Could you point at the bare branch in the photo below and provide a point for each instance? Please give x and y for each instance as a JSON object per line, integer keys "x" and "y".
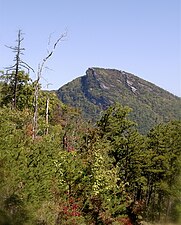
{"x": 28, "y": 66}
{"x": 19, "y": 64}
{"x": 39, "y": 76}
{"x": 45, "y": 59}
{"x": 60, "y": 39}
{"x": 14, "y": 48}
{"x": 10, "y": 67}
{"x": 49, "y": 38}
{"x": 46, "y": 67}
{"x": 9, "y": 47}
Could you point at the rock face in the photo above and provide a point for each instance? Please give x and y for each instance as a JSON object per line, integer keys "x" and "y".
{"x": 100, "y": 88}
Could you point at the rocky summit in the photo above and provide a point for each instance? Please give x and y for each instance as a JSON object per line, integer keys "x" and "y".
{"x": 99, "y": 88}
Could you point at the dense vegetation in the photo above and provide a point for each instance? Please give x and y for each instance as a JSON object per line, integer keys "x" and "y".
{"x": 58, "y": 169}
{"x": 79, "y": 174}
{"x": 100, "y": 88}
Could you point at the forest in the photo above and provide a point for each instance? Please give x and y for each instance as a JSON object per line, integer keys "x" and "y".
{"x": 58, "y": 169}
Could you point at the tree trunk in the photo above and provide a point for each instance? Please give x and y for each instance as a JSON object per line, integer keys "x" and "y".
{"x": 46, "y": 115}
{"x": 17, "y": 69}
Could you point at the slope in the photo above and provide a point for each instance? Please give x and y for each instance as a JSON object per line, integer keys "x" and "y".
{"x": 100, "y": 88}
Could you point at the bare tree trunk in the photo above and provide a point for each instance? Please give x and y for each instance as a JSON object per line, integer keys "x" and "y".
{"x": 149, "y": 191}
{"x": 46, "y": 115}
{"x": 35, "y": 116}
{"x": 19, "y": 64}
{"x": 39, "y": 75}
{"x": 17, "y": 69}
{"x": 169, "y": 204}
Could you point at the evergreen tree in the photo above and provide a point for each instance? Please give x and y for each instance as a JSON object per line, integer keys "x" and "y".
{"x": 24, "y": 90}
{"x": 13, "y": 71}
{"x": 163, "y": 169}
{"x": 127, "y": 149}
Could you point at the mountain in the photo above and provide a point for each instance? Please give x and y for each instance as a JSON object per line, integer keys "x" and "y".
{"x": 100, "y": 88}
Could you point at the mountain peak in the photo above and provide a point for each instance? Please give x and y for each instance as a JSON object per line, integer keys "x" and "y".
{"x": 101, "y": 87}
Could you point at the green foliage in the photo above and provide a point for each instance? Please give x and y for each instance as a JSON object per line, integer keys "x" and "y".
{"x": 101, "y": 88}
{"x": 12, "y": 142}
{"x": 72, "y": 172}
{"x": 80, "y": 174}
{"x": 127, "y": 150}
{"x": 163, "y": 171}
{"x": 25, "y": 90}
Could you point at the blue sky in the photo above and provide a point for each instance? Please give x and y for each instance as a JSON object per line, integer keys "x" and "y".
{"x": 139, "y": 36}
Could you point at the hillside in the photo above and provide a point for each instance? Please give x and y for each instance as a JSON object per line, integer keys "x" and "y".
{"x": 100, "y": 88}
{"x": 58, "y": 169}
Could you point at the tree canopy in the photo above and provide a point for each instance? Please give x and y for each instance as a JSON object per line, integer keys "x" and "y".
{"x": 78, "y": 173}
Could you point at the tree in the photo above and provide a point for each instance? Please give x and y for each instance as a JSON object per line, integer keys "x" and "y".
{"x": 12, "y": 145}
{"x": 24, "y": 90}
{"x": 127, "y": 149}
{"x": 163, "y": 170}
{"x": 37, "y": 84}
{"x": 17, "y": 67}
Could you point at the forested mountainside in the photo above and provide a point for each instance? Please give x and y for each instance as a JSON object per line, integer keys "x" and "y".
{"x": 100, "y": 88}
{"x": 58, "y": 169}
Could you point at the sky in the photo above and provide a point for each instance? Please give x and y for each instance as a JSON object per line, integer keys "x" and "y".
{"x": 142, "y": 37}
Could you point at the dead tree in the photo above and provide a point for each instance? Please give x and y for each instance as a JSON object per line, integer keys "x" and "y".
{"x": 46, "y": 114}
{"x": 19, "y": 65}
{"x": 41, "y": 66}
